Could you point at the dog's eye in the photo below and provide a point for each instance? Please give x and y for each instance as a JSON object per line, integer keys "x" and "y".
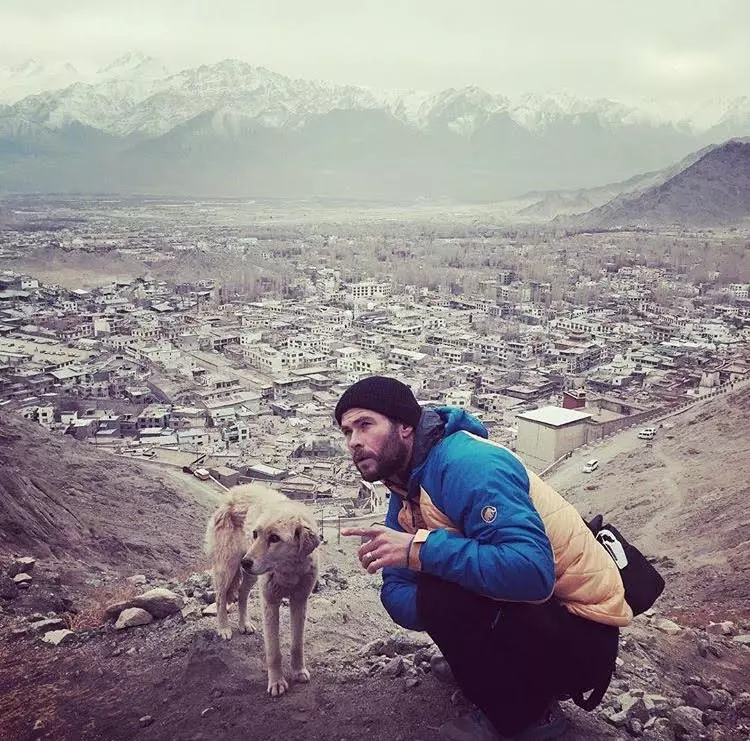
{"x": 255, "y": 534}
{"x": 273, "y": 538}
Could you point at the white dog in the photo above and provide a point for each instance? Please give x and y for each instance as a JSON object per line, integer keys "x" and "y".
{"x": 258, "y": 533}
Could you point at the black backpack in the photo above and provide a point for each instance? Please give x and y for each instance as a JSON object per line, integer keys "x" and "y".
{"x": 643, "y": 583}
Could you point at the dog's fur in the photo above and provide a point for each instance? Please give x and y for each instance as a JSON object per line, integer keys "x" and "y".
{"x": 258, "y": 533}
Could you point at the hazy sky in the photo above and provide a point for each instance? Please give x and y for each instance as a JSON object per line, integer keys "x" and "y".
{"x": 672, "y": 50}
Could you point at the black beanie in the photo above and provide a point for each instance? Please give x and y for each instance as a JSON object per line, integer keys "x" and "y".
{"x": 381, "y": 394}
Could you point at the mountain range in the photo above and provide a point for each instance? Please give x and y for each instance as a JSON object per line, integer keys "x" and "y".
{"x": 232, "y": 129}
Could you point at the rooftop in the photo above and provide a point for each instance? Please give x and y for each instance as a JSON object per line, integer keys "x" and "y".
{"x": 554, "y": 416}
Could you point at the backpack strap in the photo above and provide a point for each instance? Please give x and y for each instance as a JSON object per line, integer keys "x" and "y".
{"x": 594, "y": 698}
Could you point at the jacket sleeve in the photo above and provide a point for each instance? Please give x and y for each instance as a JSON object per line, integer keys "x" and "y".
{"x": 502, "y": 550}
{"x": 399, "y": 591}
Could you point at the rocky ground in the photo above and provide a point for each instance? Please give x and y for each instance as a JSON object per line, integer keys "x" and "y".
{"x": 682, "y": 672}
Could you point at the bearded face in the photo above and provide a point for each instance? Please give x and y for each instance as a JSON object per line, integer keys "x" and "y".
{"x": 378, "y": 445}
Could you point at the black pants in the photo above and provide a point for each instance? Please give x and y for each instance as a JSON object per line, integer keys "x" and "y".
{"x": 513, "y": 659}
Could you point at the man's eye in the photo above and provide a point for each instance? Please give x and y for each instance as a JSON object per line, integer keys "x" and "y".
{"x": 255, "y": 534}
{"x": 273, "y": 538}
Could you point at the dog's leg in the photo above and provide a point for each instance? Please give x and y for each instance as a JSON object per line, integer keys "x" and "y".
{"x": 246, "y": 584}
{"x": 277, "y": 685}
{"x": 225, "y": 576}
{"x": 298, "y": 612}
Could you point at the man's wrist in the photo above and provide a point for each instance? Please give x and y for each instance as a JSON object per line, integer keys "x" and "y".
{"x": 413, "y": 560}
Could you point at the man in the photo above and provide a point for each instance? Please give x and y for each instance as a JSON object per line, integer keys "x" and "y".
{"x": 496, "y": 566}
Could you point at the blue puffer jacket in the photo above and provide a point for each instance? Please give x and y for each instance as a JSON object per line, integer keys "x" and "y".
{"x": 474, "y": 497}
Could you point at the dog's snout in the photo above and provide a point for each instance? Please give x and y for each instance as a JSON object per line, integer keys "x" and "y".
{"x": 247, "y": 564}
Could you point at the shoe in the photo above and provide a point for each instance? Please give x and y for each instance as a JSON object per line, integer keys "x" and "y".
{"x": 551, "y": 725}
{"x": 476, "y": 726}
{"x": 441, "y": 669}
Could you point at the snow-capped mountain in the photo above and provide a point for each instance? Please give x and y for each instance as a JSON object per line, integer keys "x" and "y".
{"x": 233, "y": 127}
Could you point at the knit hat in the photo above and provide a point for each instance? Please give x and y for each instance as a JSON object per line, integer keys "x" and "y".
{"x": 381, "y": 394}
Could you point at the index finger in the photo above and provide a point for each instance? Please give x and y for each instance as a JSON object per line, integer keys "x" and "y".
{"x": 368, "y": 532}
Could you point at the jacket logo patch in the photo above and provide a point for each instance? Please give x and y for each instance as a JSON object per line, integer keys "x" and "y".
{"x": 489, "y": 514}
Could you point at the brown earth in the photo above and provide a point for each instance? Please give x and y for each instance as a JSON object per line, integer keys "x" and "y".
{"x": 92, "y": 518}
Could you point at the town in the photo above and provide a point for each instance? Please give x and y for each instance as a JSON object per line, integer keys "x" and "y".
{"x": 221, "y": 348}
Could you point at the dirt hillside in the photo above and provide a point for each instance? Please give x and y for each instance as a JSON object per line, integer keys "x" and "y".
{"x": 92, "y": 519}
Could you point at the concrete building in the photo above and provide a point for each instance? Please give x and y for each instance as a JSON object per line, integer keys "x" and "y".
{"x": 546, "y": 434}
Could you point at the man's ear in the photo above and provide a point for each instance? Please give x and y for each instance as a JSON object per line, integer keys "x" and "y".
{"x": 405, "y": 431}
{"x": 308, "y": 540}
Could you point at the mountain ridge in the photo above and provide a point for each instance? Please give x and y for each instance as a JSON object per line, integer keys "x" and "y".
{"x": 459, "y": 143}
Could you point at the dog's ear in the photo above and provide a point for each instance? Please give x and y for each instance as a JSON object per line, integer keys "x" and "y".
{"x": 308, "y": 540}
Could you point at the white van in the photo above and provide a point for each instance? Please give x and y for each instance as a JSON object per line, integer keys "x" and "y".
{"x": 647, "y": 433}
{"x": 590, "y": 466}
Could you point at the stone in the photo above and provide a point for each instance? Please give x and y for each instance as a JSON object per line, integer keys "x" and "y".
{"x": 743, "y": 640}
{"x": 667, "y": 626}
{"x": 137, "y": 580}
{"x": 21, "y": 565}
{"x": 22, "y": 579}
{"x": 720, "y": 698}
{"x": 411, "y": 682}
{"x": 210, "y": 610}
{"x": 192, "y": 611}
{"x": 697, "y": 697}
{"x": 8, "y": 588}
{"x": 47, "y": 624}
{"x": 657, "y": 704}
{"x": 133, "y": 616}
{"x": 159, "y": 602}
{"x": 58, "y": 637}
{"x": 616, "y": 718}
{"x": 686, "y": 721}
{"x": 145, "y": 720}
{"x": 394, "y": 668}
{"x": 634, "y": 726}
{"x": 725, "y": 628}
{"x": 742, "y": 705}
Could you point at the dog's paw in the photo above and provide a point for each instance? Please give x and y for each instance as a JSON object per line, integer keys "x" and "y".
{"x": 248, "y": 628}
{"x": 301, "y": 675}
{"x": 277, "y": 687}
{"x": 225, "y": 633}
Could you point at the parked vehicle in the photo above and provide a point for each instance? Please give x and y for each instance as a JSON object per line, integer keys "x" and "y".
{"x": 590, "y": 466}
{"x": 202, "y": 474}
{"x": 647, "y": 433}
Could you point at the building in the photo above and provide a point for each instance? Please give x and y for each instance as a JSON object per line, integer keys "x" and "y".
{"x": 546, "y": 434}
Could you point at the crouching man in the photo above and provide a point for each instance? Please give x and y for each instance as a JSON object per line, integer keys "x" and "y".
{"x": 495, "y": 565}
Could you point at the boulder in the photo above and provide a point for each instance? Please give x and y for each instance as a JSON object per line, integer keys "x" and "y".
{"x": 725, "y": 628}
{"x": 667, "y": 626}
{"x": 686, "y": 722}
{"x": 47, "y": 624}
{"x": 21, "y": 565}
{"x": 697, "y": 697}
{"x": 8, "y": 588}
{"x": 159, "y": 602}
{"x": 58, "y": 637}
{"x": 133, "y": 616}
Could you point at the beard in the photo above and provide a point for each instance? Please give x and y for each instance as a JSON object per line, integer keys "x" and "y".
{"x": 392, "y": 459}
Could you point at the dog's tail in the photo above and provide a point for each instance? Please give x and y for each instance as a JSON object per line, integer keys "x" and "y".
{"x": 224, "y": 522}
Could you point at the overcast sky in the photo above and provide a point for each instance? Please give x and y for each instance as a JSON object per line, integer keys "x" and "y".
{"x": 673, "y": 50}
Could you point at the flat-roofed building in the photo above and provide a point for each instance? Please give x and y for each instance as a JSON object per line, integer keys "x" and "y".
{"x": 546, "y": 434}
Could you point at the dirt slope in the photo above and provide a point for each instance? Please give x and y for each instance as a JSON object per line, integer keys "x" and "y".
{"x": 682, "y": 498}
{"x": 70, "y": 501}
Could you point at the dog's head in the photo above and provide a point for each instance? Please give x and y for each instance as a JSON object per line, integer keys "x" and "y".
{"x": 276, "y": 542}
